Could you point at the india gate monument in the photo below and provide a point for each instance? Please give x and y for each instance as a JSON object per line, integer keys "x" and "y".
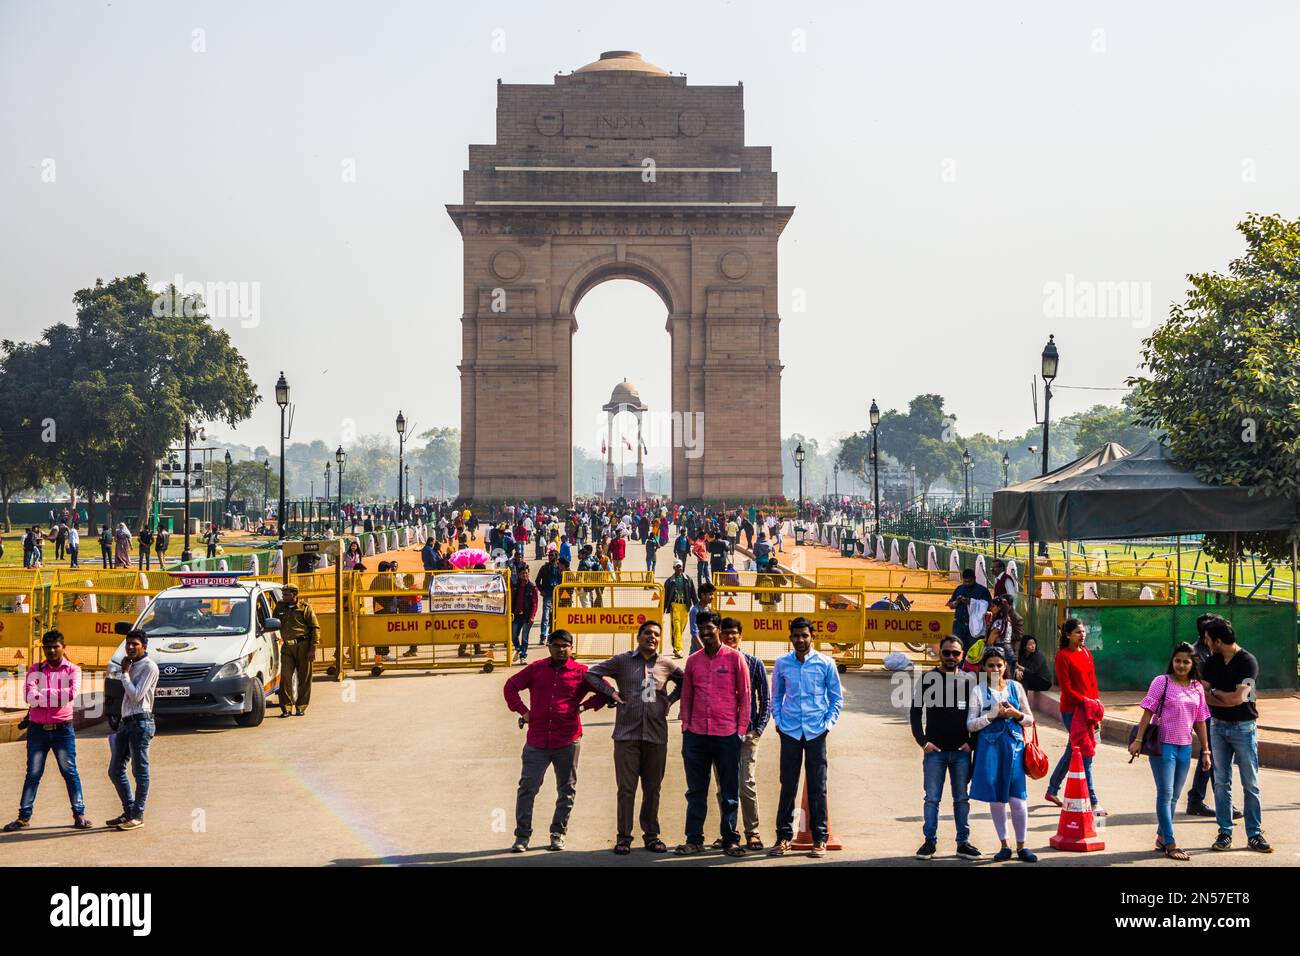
{"x": 620, "y": 170}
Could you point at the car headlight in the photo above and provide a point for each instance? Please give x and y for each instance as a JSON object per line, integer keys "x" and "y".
{"x": 234, "y": 668}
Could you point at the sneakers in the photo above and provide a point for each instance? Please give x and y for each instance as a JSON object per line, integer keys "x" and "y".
{"x": 1025, "y": 856}
{"x": 116, "y": 821}
{"x": 1222, "y": 842}
{"x": 557, "y": 841}
{"x": 300, "y": 712}
{"x": 968, "y": 852}
{"x": 926, "y": 851}
{"x": 780, "y": 848}
{"x": 134, "y": 823}
{"x": 1002, "y": 855}
{"x": 1199, "y": 810}
{"x": 519, "y": 846}
{"x": 818, "y": 850}
{"x": 1259, "y": 844}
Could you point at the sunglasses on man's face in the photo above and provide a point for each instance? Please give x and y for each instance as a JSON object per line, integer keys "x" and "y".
{"x": 950, "y": 653}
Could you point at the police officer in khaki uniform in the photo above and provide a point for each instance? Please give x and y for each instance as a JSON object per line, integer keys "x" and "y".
{"x": 298, "y": 631}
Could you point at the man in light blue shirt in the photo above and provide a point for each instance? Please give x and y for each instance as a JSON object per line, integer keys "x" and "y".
{"x": 806, "y": 703}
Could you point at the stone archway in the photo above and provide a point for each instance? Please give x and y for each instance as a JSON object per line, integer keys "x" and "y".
{"x": 620, "y": 170}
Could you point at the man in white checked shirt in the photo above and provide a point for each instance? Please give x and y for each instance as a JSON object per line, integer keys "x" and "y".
{"x": 139, "y": 681}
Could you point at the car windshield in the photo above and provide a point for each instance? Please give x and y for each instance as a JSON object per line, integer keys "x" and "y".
{"x": 196, "y": 616}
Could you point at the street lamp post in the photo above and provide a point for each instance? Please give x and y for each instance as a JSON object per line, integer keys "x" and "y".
{"x": 798, "y": 461}
{"x": 407, "y": 485}
{"x": 1006, "y": 469}
{"x": 401, "y": 448}
{"x": 1051, "y": 361}
{"x": 966, "y": 466}
{"x": 281, "y": 399}
{"x": 228, "y": 464}
{"x": 874, "y": 414}
{"x": 340, "y": 456}
{"x": 328, "y": 466}
{"x": 836, "y": 470}
{"x": 266, "y": 485}
{"x": 186, "y": 554}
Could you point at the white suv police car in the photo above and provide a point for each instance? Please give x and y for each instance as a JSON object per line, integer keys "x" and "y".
{"x": 213, "y": 639}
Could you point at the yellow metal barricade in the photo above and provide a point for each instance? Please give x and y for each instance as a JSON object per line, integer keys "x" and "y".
{"x": 87, "y": 614}
{"x": 22, "y": 597}
{"x": 909, "y": 580}
{"x": 604, "y": 611}
{"x": 431, "y": 626}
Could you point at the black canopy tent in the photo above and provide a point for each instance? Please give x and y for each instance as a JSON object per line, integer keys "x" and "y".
{"x": 1141, "y": 494}
{"x": 1137, "y": 495}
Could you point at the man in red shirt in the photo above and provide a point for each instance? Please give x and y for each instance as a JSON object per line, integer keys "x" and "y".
{"x": 618, "y": 550}
{"x": 715, "y": 705}
{"x": 557, "y": 695}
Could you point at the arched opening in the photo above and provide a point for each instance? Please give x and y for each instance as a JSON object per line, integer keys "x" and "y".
{"x": 621, "y": 335}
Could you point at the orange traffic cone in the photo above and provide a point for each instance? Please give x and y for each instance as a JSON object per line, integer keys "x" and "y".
{"x": 1075, "y": 831}
{"x": 804, "y": 839}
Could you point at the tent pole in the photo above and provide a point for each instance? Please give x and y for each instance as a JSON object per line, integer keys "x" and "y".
{"x": 1069, "y": 595}
{"x": 1232, "y": 571}
{"x": 1178, "y": 552}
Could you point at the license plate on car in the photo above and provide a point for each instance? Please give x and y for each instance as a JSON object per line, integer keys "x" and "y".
{"x": 172, "y": 692}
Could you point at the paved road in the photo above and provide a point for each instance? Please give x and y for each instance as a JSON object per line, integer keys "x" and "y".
{"x": 418, "y": 768}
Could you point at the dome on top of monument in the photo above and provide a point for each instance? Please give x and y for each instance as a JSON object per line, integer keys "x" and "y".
{"x": 625, "y": 393}
{"x": 624, "y": 60}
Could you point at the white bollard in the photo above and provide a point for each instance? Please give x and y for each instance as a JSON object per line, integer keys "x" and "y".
{"x": 406, "y": 537}
{"x": 92, "y": 600}
{"x": 1090, "y": 591}
{"x": 370, "y": 545}
{"x": 911, "y": 554}
{"x": 253, "y": 565}
{"x": 277, "y": 562}
{"x": 931, "y": 559}
{"x": 954, "y": 565}
{"x": 381, "y": 542}
{"x": 223, "y": 565}
{"x": 142, "y": 601}
{"x": 893, "y": 552}
{"x": 1146, "y": 593}
{"x": 981, "y": 577}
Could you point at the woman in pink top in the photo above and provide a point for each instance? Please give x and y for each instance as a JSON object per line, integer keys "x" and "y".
{"x": 1175, "y": 702}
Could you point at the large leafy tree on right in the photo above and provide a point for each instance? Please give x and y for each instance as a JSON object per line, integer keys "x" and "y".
{"x": 1223, "y": 375}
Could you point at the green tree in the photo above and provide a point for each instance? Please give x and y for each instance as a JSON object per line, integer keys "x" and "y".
{"x": 26, "y": 461}
{"x": 123, "y": 381}
{"x": 438, "y": 462}
{"x": 1223, "y": 375}
{"x": 1106, "y": 423}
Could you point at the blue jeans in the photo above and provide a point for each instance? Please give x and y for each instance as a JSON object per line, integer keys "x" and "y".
{"x": 546, "y": 616}
{"x": 1063, "y": 765}
{"x": 132, "y": 740}
{"x": 702, "y": 573}
{"x": 650, "y": 561}
{"x": 519, "y": 628}
{"x": 63, "y": 741}
{"x": 954, "y": 765}
{"x": 1170, "y": 772}
{"x": 1237, "y": 742}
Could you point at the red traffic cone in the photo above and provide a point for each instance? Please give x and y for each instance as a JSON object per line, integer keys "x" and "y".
{"x": 1075, "y": 831}
{"x": 804, "y": 839}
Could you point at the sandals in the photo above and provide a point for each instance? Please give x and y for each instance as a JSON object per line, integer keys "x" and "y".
{"x": 734, "y": 850}
{"x": 622, "y": 849}
{"x": 656, "y": 846}
{"x": 1176, "y": 853}
{"x": 81, "y": 823}
{"x": 689, "y": 849}
{"x": 754, "y": 843}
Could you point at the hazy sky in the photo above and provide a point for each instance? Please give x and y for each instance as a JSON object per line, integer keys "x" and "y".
{"x": 948, "y": 161}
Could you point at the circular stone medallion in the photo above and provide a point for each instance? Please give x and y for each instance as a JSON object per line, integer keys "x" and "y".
{"x": 507, "y": 264}
{"x": 691, "y": 123}
{"x": 734, "y": 264}
{"x": 549, "y": 122}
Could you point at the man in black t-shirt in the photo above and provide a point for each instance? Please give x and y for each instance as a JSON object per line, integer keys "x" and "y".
{"x": 1202, "y": 777}
{"x": 719, "y": 552}
{"x": 1229, "y": 679}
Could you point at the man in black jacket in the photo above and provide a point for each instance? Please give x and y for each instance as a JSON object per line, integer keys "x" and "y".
{"x": 938, "y": 714}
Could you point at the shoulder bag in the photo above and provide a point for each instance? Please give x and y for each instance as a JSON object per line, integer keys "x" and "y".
{"x": 1151, "y": 737}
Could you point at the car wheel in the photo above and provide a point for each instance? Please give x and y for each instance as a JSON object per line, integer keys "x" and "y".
{"x": 376, "y": 671}
{"x": 258, "y": 711}
{"x": 487, "y": 667}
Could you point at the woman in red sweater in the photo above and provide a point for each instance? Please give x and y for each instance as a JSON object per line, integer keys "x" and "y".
{"x": 1076, "y": 676}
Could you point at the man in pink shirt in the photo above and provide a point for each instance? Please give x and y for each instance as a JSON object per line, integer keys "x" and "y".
{"x": 50, "y": 689}
{"x": 715, "y": 706}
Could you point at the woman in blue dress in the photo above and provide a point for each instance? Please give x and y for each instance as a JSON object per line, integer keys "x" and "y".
{"x": 996, "y": 713}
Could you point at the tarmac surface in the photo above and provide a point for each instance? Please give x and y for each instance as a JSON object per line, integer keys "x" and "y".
{"x": 416, "y": 768}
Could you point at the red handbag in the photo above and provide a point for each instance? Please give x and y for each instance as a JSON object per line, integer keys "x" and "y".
{"x": 1036, "y": 764}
